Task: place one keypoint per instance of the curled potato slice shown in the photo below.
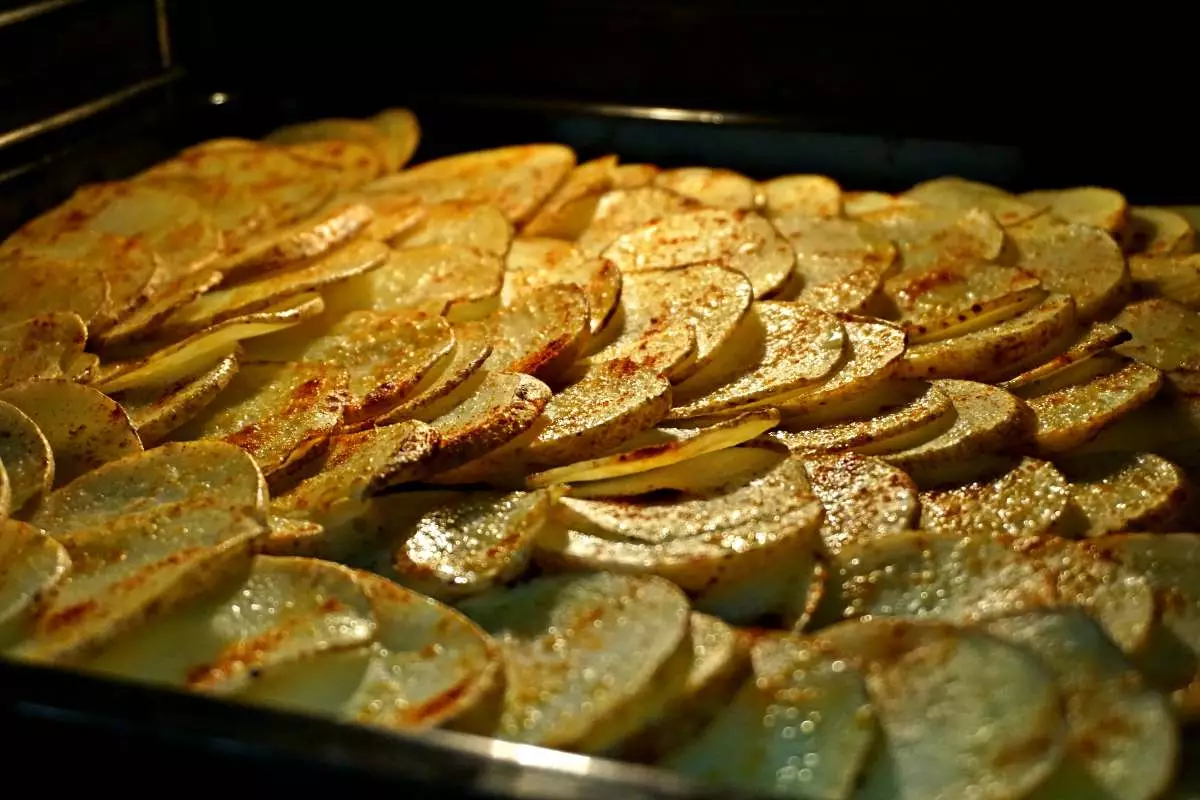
(929, 236)
(717, 188)
(41, 347)
(1158, 232)
(802, 196)
(32, 565)
(402, 134)
(1094, 206)
(1069, 417)
(144, 321)
(567, 212)
(542, 331)
(443, 388)
(155, 411)
(537, 262)
(958, 194)
(33, 285)
(1116, 492)
(1099, 337)
(1028, 498)
(504, 406)
(480, 227)
(1073, 259)
(585, 693)
(863, 498)
(623, 210)
(26, 457)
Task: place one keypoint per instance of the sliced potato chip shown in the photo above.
(741, 240)
(1073, 259)
(386, 354)
(987, 419)
(155, 411)
(717, 188)
(402, 134)
(1067, 418)
(959, 194)
(278, 612)
(26, 457)
(1117, 492)
(32, 565)
(863, 498)
(981, 352)
(333, 225)
(1090, 205)
(623, 210)
(618, 643)
(271, 409)
(537, 262)
(1158, 232)
(1097, 338)
(517, 180)
(802, 196)
(40, 347)
(480, 227)
(929, 236)
(444, 388)
(1029, 498)
(1165, 334)
(661, 447)
(33, 285)
(351, 163)
(542, 331)
(144, 321)
(504, 406)
(567, 212)
(634, 176)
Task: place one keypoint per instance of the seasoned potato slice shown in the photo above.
(1158, 232)
(26, 456)
(1089, 205)
(41, 347)
(1073, 259)
(317, 234)
(1174, 278)
(538, 262)
(623, 210)
(830, 251)
(1116, 492)
(32, 566)
(567, 212)
(36, 285)
(586, 692)
(1069, 417)
(717, 188)
(143, 321)
(443, 388)
(335, 129)
(1097, 338)
(351, 163)
(1028, 498)
(517, 180)
(392, 217)
(863, 498)
(634, 176)
(542, 331)
(504, 406)
(402, 134)
(1165, 334)
(155, 411)
(237, 215)
(802, 196)
(741, 240)
(480, 227)
(928, 236)
(959, 194)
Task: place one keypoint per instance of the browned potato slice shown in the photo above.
(27, 458)
(516, 179)
(802, 196)
(634, 176)
(350, 163)
(958, 194)
(1068, 417)
(333, 225)
(331, 129)
(35, 285)
(1073, 259)
(1028, 498)
(567, 212)
(863, 497)
(83, 427)
(443, 388)
(482, 227)
(1115, 492)
(1158, 232)
(144, 321)
(1090, 205)
(33, 565)
(234, 211)
(1165, 334)
(623, 210)
(718, 188)
(1099, 337)
(929, 236)
(41, 347)
(537, 262)
(543, 331)
(504, 406)
(402, 134)
(155, 411)
(741, 240)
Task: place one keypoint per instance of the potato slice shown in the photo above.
(541, 332)
(1029, 498)
(610, 403)
(460, 282)
(798, 347)
(278, 612)
(1165, 334)
(443, 388)
(1097, 338)
(41, 347)
(661, 447)
(889, 417)
(237, 215)
(623, 210)
(333, 225)
(736, 545)
(1116, 492)
(959, 194)
(830, 252)
(929, 236)
(271, 409)
(538, 262)
(1090, 205)
(634, 176)
(26, 457)
(1174, 278)
(717, 188)
(863, 497)
(351, 163)
(567, 212)
(1073, 259)
(585, 692)
(32, 566)
(402, 134)
(155, 411)
(856, 205)
(802, 726)
(741, 240)
(392, 217)
(386, 354)
(1158, 232)
(504, 406)
(480, 227)
(335, 129)
(802, 196)
(35, 285)
(1069, 417)
(1121, 736)
(144, 321)
(517, 180)
(83, 427)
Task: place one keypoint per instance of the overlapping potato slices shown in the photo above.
(1174, 278)
(482, 227)
(739, 239)
(930, 236)
(863, 497)
(1114, 492)
(1157, 232)
(41, 347)
(332, 225)
(1027, 497)
(541, 330)
(959, 194)
(451, 380)
(32, 565)
(716, 188)
(155, 411)
(1166, 335)
(839, 262)
(143, 321)
(1098, 337)
(26, 457)
(1074, 259)
(1094, 206)
(626, 209)
(634, 176)
(802, 196)
(351, 163)
(334, 130)
(237, 215)
(567, 212)
(539, 262)
(34, 285)
(505, 405)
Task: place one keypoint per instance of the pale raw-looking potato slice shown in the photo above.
(567, 212)
(155, 411)
(929, 236)
(517, 179)
(32, 565)
(83, 427)
(402, 134)
(834, 255)
(587, 658)
(354, 466)
(1175, 278)
(661, 447)
(859, 204)
(802, 196)
(277, 612)
(736, 546)
(1122, 737)
(538, 262)
(610, 403)
(145, 534)
(1094, 206)
(959, 194)
(801, 726)
(888, 417)
(863, 497)
(634, 176)
(238, 300)
(40, 347)
(624, 210)
(987, 419)
(982, 352)
(1099, 337)
(270, 409)
(333, 225)
(1067, 418)
(504, 406)
(1116, 492)
(1166, 335)
(350, 163)
(443, 388)
(144, 321)
(1073, 259)
(956, 299)
(33, 285)
(542, 331)
(1158, 232)
(738, 239)
(717, 188)
(481, 227)
(799, 346)
(26, 456)
(1029, 498)
(235, 213)
(428, 666)
(386, 354)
